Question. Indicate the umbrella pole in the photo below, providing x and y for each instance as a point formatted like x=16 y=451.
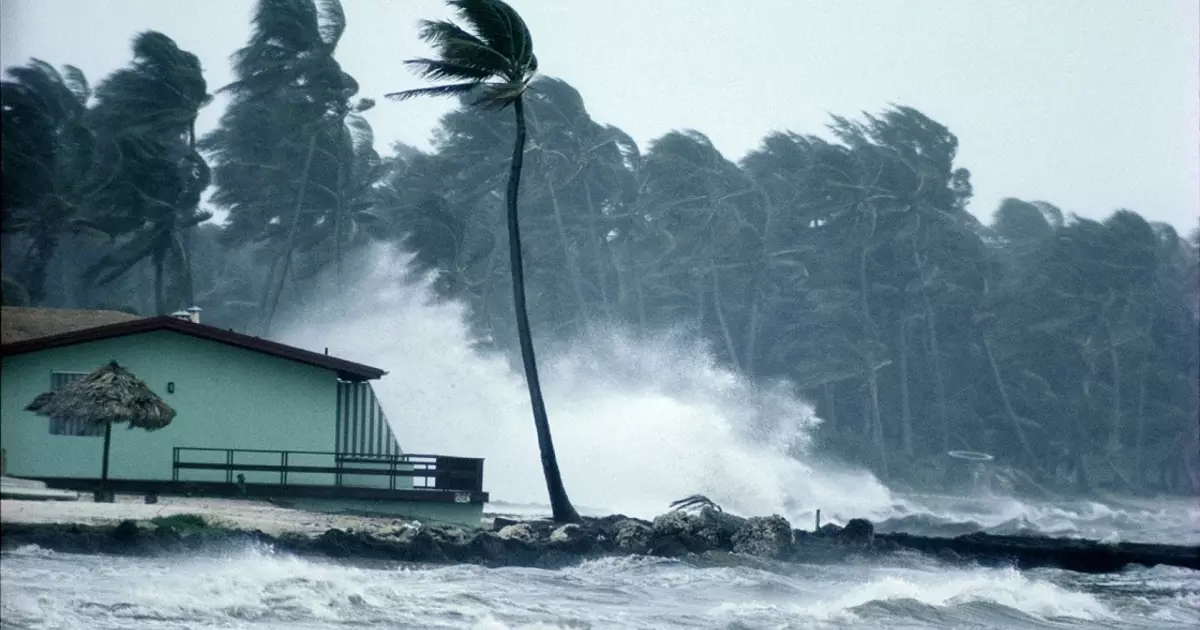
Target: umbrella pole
x=104 y=466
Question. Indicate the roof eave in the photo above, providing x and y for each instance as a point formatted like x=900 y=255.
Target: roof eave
x=343 y=368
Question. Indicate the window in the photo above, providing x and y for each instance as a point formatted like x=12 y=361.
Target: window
x=63 y=426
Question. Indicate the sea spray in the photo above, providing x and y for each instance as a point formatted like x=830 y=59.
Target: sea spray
x=639 y=419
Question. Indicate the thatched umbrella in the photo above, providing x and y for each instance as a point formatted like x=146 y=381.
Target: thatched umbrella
x=109 y=394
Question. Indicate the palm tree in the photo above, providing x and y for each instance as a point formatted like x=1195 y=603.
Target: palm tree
x=285 y=149
x=151 y=177
x=46 y=146
x=494 y=61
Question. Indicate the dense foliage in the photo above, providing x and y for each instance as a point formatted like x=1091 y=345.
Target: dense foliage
x=844 y=262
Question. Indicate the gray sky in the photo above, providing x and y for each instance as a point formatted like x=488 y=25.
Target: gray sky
x=1089 y=104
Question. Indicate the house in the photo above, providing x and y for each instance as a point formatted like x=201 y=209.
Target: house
x=254 y=418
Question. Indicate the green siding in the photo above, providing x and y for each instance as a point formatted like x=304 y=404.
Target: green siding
x=226 y=397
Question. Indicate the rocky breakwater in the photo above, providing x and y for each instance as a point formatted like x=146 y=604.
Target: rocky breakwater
x=708 y=537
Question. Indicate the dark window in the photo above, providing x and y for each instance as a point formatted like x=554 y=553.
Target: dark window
x=63 y=426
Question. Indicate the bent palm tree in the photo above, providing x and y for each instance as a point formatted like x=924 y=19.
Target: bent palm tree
x=495 y=63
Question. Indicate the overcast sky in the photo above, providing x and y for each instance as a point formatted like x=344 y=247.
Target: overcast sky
x=1089 y=104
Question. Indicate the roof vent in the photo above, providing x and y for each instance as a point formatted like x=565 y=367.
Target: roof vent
x=184 y=315
x=193 y=314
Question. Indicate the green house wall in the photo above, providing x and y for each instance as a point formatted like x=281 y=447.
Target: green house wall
x=225 y=397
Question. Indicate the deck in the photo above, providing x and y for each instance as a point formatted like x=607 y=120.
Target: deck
x=306 y=474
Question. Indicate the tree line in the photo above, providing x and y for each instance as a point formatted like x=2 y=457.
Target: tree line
x=843 y=261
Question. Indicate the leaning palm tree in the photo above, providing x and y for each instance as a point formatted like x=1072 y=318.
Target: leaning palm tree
x=109 y=394
x=494 y=63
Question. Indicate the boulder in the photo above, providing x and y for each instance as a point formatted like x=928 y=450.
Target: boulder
x=572 y=538
x=500 y=522
x=717 y=528
x=450 y=534
x=674 y=523
x=518 y=531
x=674 y=534
x=764 y=537
x=632 y=536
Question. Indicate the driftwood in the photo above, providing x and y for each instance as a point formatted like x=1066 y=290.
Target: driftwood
x=695 y=501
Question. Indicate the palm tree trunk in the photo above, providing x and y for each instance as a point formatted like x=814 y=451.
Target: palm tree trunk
x=568 y=255
x=160 y=299
x=291 y=240
x=1004 y=399
x=876 y=421
x=1114 y=438
x=104 y=462
x=939 y=383
x=729 y=345
x=751 y=332
x=906 y=428
x=32 y=272
x=830 y=406
x=337 y=223
x=560 y=504
x=1141 y=421
x=602 y=254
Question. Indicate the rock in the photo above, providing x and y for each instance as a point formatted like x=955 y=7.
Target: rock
x=674 y=523
x=451 y=535
x=519 y=531
x=674 y=535
x=632 y=536
x=765 y=537
x=574 y=539
x=858 y=531
x=563 y=534
x=717 y=528
x=501 y=522
x=488 y=548
x=677 y=532
x=126 y=532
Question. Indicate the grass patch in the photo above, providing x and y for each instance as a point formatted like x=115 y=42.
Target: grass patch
x=181 y=522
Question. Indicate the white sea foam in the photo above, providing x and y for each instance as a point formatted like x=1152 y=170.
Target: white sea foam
x=638 y=420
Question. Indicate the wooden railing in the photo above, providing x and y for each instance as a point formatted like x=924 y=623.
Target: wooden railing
x=428 y=472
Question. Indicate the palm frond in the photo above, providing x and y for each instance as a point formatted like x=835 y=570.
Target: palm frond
x=76 y=82
x=458 y=46
x=331 y=21
x=438 y=70
x=455 y=89
x=499 y=26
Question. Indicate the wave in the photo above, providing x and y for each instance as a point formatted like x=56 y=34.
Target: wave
x=1169 y=521
x=639 y=418
x=258 y=589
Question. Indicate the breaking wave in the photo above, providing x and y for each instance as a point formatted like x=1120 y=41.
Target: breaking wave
x=639 y=420
x=260 y=589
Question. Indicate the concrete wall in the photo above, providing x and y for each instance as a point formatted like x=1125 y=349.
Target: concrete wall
x=226 y=397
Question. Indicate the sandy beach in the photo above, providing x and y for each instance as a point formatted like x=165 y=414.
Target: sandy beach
x=230 y=513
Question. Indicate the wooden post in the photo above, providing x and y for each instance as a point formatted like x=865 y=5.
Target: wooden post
x=818 y=529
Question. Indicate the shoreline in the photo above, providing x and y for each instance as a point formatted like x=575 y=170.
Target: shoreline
x=705 y=538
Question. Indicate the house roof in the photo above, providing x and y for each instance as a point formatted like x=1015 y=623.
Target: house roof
x=68 y=335
x=19 y=323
